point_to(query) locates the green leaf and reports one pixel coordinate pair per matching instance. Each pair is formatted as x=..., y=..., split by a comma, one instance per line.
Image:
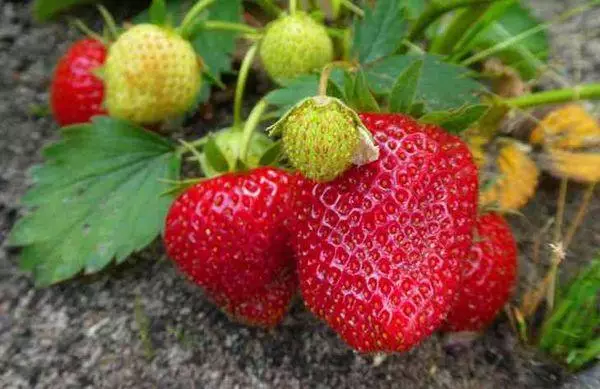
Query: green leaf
x=379, y=33
x=529, y=51
x=457, y=120
x=571, y=330
x=96, y=198
x=214, y=156
x=414, y=8
x=405, y=88
x=216, y=47
x=362, y=99
x=272, y=155
x=212, y=78
x=442, y=86
x=158, y=12
x=44, y=10
x=294, y=91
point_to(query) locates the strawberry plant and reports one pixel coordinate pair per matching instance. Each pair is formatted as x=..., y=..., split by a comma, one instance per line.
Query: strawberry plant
x=372, y=190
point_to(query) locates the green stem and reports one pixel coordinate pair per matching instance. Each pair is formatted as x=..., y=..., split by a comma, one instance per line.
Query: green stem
x=253, y=120
x=218, y=25
x=326, y=74
x=109, y=22
x=457, y=28
x=336, y=32
x=77, y=23
x=241, y=85
x=270, y=8
x=293, y=5
x=191, y=16
x=581, y=92
x=353, y=7
x=435, y=10
x=185, y=146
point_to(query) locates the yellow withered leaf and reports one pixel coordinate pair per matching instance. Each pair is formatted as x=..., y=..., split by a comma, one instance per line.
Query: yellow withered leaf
x=568, y=127
x=577, y=166
x=508, y=177
x=570, y=140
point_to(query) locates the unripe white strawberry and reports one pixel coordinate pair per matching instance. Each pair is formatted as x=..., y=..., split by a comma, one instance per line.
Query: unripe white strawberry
x=295, y=45
x=151, y=74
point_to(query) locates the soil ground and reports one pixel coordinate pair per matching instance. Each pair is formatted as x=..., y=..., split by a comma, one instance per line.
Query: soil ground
x=84, y=333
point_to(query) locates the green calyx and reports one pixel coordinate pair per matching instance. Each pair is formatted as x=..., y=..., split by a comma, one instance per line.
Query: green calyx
x=295, y=45
x=322, y=138
x=229, y=143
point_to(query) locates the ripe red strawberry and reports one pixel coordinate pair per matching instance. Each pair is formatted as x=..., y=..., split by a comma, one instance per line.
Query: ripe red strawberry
x=229, y=235
x=379, y=248
x=488, y=276
x=76, y=93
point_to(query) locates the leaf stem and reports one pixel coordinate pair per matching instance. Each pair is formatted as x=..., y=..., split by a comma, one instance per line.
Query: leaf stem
x=353, y=8
x=191, y=15
x=457, y=28
x=270, y=8
x=435, y=10
x=253, y=120
x=241, y=85
x=580, y=92
x=219, y=25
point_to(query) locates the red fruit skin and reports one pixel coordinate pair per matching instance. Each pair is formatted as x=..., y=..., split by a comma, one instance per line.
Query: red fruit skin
x=489, y=275
x=228, y=234
x=76, y=94
x=267, y=306
x=379, y=248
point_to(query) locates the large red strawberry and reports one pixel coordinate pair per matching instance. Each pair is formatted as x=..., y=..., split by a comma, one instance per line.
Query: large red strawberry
x=229, y=235
x=488, y=275
x=76, y=93
x=379, y=248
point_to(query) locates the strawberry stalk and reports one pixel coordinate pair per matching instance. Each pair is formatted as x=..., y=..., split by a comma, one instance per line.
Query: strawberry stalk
x=326, y=74
x=253, y=120
x=241, y=85
x=293, y=5
x=353, y=8
x=217, y=25
x=580, y=92
x=269, y=7
x=109, y=22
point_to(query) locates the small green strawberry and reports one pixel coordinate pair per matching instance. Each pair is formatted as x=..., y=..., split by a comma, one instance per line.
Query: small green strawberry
x=151, y=74
x=295, y=45
x=322, y=138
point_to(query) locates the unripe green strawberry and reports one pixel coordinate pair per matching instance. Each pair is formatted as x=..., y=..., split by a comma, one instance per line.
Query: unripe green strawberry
x=151, y=74
x=322, y=138
x=295, y=45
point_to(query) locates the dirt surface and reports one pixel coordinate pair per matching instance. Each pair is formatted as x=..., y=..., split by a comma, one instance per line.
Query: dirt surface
x=85, y=333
